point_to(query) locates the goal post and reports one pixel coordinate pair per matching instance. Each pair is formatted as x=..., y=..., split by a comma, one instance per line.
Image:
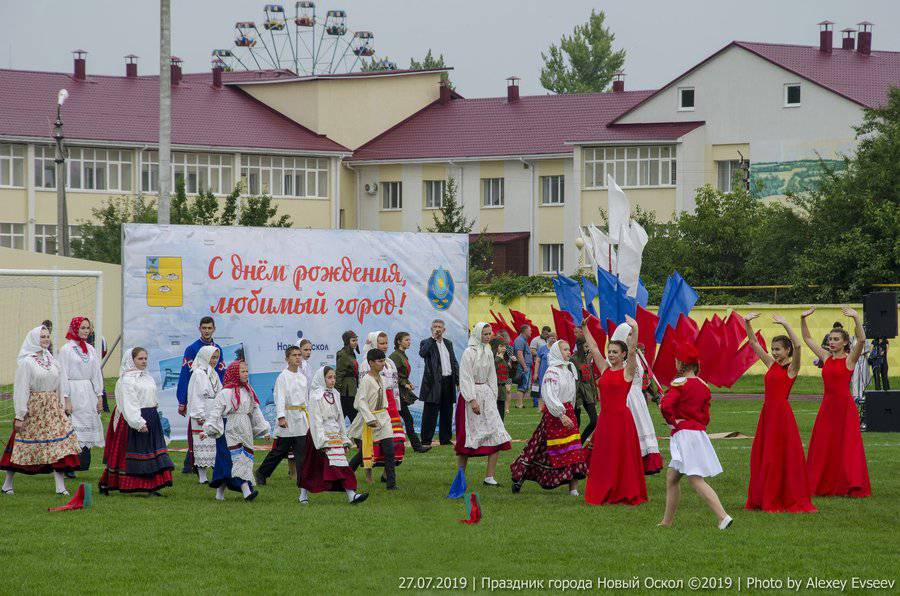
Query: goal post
x=29, y=296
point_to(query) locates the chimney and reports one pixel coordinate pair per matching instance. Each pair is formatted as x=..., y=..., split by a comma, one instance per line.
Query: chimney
x=512, y=89
x=849, y=40
x=445, y=92
x=864, y=38
x=176, y=70
x=131, y=66
x=618, y=82
x=826, y=34
x=218, y=67
x=80, y=65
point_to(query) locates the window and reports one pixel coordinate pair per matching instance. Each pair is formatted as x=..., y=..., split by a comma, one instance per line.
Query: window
x=551, y=258
x=792, y=95
x=12, y=235
x=686, y=98
x=434, y=193
x=12, y=165
x=629, y=166
x=297, y=177
x=200, y=172
x=727, y=171
x=391, y=196
x=492, y=192
x=44, y=166
x=98, y=169
x=45, y=237
x=553, y=190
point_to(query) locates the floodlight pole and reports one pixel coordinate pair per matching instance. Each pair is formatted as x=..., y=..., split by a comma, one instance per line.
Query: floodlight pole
x=62, y=216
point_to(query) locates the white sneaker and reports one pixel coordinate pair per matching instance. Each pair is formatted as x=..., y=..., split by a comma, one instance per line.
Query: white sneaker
x=725, y=523
x=573, y=492
x=303, y=501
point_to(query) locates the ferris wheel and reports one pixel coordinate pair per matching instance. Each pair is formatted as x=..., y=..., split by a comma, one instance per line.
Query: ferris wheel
x=306, y=43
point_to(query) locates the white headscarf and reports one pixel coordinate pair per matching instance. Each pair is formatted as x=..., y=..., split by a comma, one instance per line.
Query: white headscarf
x=128, y=365
x=556, y=358
x=475, y=338
x=32, y=345
x=318, y=387
x=372, y=341
x=622, y=332
x=201, y=364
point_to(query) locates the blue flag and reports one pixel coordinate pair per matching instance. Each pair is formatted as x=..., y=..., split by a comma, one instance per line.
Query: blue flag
x=590, y=294
x=643, y=296
x=678, y=298
x=614, y=300
x=568, y=293
x=458, y=488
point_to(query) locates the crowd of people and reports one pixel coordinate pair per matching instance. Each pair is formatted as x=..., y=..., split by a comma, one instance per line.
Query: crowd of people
x=361, y=405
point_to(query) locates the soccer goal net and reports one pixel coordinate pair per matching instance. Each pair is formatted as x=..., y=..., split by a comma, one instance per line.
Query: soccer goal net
x=30, y=296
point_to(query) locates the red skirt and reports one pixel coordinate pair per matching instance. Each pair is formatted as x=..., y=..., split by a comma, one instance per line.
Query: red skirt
x=553, y=455
x=116, y=456
x=69, y=463
x=318, y=475
x=777, y=465
x=398, y=430
x=460, y=445
x=653, y=463
x=836, y=460
x=616, y=470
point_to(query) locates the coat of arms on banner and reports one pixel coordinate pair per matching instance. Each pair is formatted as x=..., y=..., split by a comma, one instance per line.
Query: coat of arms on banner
x=164, y=281
x=440, y=289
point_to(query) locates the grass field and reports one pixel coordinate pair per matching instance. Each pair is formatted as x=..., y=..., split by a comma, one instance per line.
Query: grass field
x=189, y=543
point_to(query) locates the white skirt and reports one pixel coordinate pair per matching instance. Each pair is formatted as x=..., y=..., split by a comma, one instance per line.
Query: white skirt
x=85, y=418
x=204, y=449
x=485, y=429
x=643, y=423
x=692, y=454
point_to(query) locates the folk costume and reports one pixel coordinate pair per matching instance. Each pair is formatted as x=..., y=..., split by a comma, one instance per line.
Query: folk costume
x=181, y=391
x=81, y=363
x=407, y=397
x=391, y=381
x=346, y=372
x=685, y=406
x=371, y=404
x=203, y=387
x=291, y=403
x=585, y=388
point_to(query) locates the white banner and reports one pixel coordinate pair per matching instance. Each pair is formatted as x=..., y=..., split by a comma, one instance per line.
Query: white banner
x=267, y=287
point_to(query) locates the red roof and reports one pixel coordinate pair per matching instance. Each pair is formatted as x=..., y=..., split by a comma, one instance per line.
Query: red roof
x=126, y=110
x=534, y=125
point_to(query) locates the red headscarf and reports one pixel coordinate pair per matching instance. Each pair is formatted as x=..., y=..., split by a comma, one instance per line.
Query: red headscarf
x=232, y=380
x=72, y=333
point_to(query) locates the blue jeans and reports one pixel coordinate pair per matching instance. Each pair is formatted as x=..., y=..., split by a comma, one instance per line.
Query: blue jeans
x=525, y=384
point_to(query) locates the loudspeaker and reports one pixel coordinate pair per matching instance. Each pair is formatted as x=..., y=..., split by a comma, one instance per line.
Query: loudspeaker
x=881, y=411
x=880, y=314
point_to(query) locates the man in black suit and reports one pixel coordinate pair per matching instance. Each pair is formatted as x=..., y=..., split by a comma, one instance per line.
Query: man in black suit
x=439, y=382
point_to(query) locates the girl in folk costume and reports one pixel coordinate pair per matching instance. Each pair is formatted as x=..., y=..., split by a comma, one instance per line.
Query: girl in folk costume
x=836, y=458
x=42, y=440
x=479, y=428
x=616, y=472
x=136, y=456
x=81, y=363
x=202, y=390
x=325, y=467
x=685, y=407
x=554, y=455
x=585, y=384
x=778, y=479
x=407, y=395
x=637, y=403
x=501, y=364
x=234, y=420
x=378, y=340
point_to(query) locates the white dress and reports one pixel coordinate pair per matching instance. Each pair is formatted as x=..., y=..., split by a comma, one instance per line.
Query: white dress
x=642, y=421
x=85, y=389
x=291, y=403
x=202, y=390
x=239, y=425
x=478, y=383
x=326, y=426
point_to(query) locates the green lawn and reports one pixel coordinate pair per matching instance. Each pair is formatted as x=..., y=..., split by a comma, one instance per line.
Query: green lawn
x=189, y=543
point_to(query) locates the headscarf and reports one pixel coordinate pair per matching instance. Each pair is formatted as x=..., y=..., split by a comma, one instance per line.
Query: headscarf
x=32, y=345
x=556, y=358
x=372, y=341
x=232, y=380
x=346, y=337
x=128, y=365
x=621, y=333
x=72, y=333
x=201, y=363
x=318, y=387
x=475, y=338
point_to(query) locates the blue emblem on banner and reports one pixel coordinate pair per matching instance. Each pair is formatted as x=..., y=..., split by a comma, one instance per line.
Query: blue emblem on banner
x=440, y=289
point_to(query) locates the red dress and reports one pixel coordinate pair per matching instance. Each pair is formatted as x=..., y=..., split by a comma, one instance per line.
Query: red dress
x=616, y=471
x=836, y=460
x=777, y=464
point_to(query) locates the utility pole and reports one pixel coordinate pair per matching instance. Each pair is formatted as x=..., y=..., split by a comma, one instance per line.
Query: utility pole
x=62, y=216
x=165, y=103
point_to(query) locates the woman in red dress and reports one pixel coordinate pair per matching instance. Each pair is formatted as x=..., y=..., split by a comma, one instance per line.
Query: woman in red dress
x=616, y=470
x=778, y=480
x=836, y=459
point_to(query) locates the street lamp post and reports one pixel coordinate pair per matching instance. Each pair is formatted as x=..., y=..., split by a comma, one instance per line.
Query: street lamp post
x=62, y=216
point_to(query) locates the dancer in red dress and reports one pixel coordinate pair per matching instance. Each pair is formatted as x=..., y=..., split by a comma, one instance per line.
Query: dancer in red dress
x=836, y=459
x=686, y=409
x=616, y=470
x=777, y=463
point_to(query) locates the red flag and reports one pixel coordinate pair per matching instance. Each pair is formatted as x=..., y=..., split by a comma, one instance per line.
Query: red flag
x=500, y=324
x=685, y=331
x=734, y=331
x=520, y=319
x=595, y=328
x=711, y=343
x=565, y=326
x=647, y=322
x=734, y=368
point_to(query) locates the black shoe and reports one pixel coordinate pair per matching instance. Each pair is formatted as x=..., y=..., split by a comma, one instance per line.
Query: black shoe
x=253, y=494
x=422, y=449
x=516, y=487
x=359, y=498
x=393, y=487
x=70, y=475
x=260, y=480
x=447, y=443
x=155, y=493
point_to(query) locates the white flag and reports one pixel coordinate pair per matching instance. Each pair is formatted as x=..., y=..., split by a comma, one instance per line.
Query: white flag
x=588, y=246
x=604, y=253
x=619, y=209
x=631, y=249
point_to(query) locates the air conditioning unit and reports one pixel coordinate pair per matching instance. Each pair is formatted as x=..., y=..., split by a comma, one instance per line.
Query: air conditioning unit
x=371, y=188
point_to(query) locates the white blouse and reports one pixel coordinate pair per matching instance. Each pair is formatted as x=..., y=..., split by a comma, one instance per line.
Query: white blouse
x=31, y=376
x=558, y=389
x=202, y=390
x=477, y=368
x=291, y=389
x=135, y=390
x=389, y=376
x=81, y=367
x=327, y=418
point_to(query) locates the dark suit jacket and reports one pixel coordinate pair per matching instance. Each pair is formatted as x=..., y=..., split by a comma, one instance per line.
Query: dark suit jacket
x=430, y=391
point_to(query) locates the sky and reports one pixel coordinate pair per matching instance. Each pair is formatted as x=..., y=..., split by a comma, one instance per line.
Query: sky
x=484, y=41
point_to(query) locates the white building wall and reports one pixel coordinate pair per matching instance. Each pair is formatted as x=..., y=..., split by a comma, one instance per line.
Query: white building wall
x=692, y=164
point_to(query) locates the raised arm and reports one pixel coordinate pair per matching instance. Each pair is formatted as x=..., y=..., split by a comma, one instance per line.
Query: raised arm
x=857, y=348
x=631, y=342
x=818, y=350
x=594, y=350
x=754, y=343
x=796, y=359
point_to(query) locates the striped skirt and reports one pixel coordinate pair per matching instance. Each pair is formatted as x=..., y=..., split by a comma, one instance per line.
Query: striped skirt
x=553, y=455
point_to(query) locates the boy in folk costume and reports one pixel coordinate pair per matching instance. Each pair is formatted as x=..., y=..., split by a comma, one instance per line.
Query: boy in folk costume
x=346, y=371
x=373, y=423
x=202, y=390
x=292, y=417
x=390, y=381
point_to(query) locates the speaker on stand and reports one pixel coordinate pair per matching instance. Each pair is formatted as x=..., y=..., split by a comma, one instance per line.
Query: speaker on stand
x=880, y=314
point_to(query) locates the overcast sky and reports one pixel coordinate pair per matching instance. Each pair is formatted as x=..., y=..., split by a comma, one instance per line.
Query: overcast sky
x=485, y=40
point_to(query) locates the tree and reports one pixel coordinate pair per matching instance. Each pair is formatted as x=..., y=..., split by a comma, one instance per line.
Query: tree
x=428, y=62
x=450, y=218
x=373, y=65
x=101, y=239
x=584, y=61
